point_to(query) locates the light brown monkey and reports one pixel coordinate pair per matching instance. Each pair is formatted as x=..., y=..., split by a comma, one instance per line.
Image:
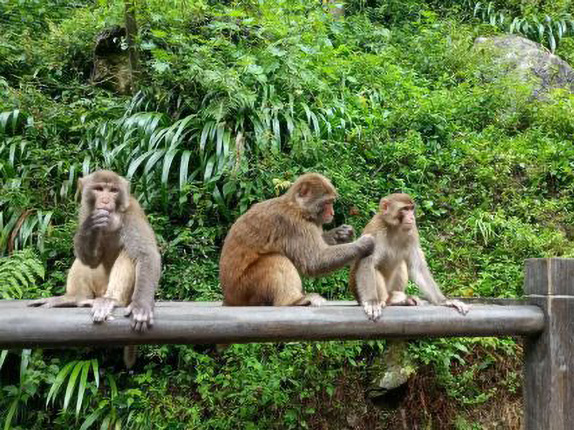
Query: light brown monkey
x=117, y=258
x=380, y=279
x=275, y=241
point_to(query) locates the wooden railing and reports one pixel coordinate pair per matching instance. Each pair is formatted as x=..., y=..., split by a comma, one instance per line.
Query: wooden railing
x=545, y=319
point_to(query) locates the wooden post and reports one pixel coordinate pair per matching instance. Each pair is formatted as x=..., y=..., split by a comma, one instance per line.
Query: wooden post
x=549, y=357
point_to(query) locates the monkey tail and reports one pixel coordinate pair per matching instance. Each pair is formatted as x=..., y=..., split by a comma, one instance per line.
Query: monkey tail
x=130, y=355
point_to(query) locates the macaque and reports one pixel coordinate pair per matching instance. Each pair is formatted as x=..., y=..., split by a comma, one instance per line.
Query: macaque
x=381, y=278
x=275, y=241
x=117, y=259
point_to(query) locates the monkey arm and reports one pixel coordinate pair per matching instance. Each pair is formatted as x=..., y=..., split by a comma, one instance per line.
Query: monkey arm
x=366, y=280
x=324, y=259
x=420, y=274
x=87, y=247
x=148, y=271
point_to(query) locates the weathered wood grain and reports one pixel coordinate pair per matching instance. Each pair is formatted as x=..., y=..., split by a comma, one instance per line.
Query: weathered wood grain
x=549, y=357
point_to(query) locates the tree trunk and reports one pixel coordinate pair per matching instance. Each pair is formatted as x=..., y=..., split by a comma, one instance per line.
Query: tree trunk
x=131, y=37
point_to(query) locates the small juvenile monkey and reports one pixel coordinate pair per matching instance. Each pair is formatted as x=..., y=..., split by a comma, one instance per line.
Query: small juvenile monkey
x=117, y=259
x=380, y=279
x=275, y=241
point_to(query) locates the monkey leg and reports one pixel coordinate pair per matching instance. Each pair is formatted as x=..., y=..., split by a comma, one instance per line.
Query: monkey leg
x=82, y=284
x=122, y=280
x=397, y=285
x=120, y=287
x=275, y=281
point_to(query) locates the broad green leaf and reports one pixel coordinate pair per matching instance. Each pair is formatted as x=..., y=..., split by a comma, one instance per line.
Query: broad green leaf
x=72, y=382
x=82, y=387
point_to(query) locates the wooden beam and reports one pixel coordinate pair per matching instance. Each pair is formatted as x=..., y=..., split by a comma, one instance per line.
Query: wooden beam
x=549, y=357
x=195, y=323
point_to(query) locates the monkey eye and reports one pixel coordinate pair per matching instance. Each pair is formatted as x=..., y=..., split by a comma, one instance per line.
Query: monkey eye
x=98, y=188
x=114, y=190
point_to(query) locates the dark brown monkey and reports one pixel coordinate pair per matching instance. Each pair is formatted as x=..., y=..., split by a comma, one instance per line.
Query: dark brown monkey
x=117, y=258
x=380, y=279
x=275, y=241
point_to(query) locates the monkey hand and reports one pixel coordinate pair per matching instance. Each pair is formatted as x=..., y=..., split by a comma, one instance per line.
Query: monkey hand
x=366, y=244
x=373, y=309
x=461, y=307
x=343, y=234
x=99, y=220
x=142, y=315
x=102, y=308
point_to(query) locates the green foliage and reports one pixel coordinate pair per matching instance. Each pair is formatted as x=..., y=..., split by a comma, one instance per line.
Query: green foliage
x=546, y=30
x=235, y=100
x=77, y=372
x=18, y=274
x=21, y=387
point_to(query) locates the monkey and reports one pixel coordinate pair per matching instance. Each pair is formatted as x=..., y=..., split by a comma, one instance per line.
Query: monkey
x=276, y=241
x=380, y=279
x=117, y=258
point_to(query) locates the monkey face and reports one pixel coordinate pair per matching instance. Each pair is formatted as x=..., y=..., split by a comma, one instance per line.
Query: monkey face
x=315, y=195
x=406, y=217
x=398, y=210
x=105, y=196
x=105, y=190
x=327, y=212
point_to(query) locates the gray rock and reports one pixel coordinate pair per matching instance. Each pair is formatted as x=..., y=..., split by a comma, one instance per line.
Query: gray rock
x=391, y=370
x=530, y=62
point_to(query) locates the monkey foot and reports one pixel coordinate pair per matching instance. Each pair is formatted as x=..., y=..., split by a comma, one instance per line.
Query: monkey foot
x=373, y=309
x=312, y=299
x=102, y=308
x=461, y=307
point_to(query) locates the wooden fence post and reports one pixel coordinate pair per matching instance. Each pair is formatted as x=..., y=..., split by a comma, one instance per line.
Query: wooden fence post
x=549, y=357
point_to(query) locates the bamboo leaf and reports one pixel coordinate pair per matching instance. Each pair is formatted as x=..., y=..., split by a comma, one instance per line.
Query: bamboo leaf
x=58, y=381
x=152, y=161
x=82, y=387
x=72, y=382
x=96, y=370
x=167, y=161
x=3, y=356
x=11, y=412
x=184, y=168
x=91, y=419
x=207, y=173
x=136, y=163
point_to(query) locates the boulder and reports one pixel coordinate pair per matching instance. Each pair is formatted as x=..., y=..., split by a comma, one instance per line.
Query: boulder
x=390, y=371
x=529, y=61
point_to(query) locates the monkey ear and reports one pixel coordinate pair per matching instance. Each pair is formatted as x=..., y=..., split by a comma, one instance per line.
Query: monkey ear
x=303, y=190
x=384, y=205
x=126, y=185
x=125, y=199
